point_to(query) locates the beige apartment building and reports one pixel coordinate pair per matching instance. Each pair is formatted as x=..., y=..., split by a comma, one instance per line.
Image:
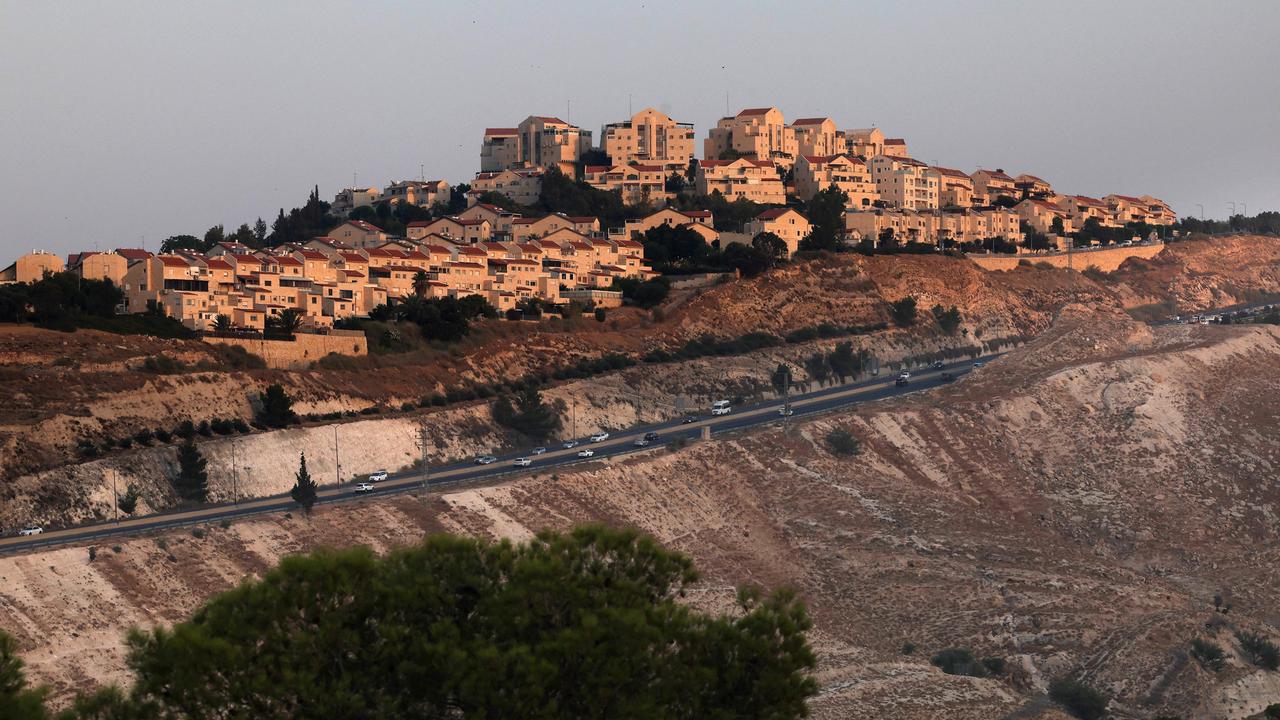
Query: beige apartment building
x=786, y=223
x=700, y=221
x=1041, y=214
x=903, y=182
x=933, y=226
x=349, y=199
x=1125, y=209
x=521, y=185
x=636, y=183
x=993, y=184
x=755, y=180
x=1080, y=208
x=757, y=133
x=818, y=136
x=814, y=173
x=865, y=142
x=895, y=147
x=424, y=194
x=539, y=141
x=649, y=138
x=955, y=188
x=1032, y=186
x=31, y=267
x=358, y=233
x=98, y=266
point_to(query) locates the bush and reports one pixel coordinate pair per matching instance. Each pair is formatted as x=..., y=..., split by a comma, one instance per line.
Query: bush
x=408, y=407
x=204, y=428
x=842, y=442
x=240, y=426
x=126, y=442
x=117, y=549
x=163, y=365
x=197, y=533
x=1080, y=699
x=959, y=661
x=948, y=319
x=908, y=648
x=225, y=524
x=1259, y=650
x=994, y=665
x=903, y=311
x=186, y=430
x=600, y=315
x=163, y=435
x=143, y=437
x=93, y=553
x=1208, y=654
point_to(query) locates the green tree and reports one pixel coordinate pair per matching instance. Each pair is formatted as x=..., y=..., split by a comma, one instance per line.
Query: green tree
x=421, y=284
x=826, y=216
x=948, y=320
x=213, y=236
x=588, y=624
x=287, y=323
x=643, y=293
x=529, y=415
x=192, y=480
x=128, y=502
x=222, y=323
x=903, y=311
x=304, y=488
x=1080, y=699
x=843, y=362
x=842, y=442
x=781, y=379
x=772, y=246
x=817, y=368
x=17, y=700
x=277, y=407
x=174, y=243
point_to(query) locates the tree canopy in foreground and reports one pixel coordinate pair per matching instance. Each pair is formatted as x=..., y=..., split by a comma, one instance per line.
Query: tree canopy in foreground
x=584, y=625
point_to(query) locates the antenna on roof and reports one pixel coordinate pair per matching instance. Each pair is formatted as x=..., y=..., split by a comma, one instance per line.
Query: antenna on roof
x=355, y=180
x=726, y=103
x=568, y=114
x=629, y=103
x=422, y=172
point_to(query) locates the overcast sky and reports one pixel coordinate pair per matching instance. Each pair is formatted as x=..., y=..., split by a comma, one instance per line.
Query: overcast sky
x=128, y=120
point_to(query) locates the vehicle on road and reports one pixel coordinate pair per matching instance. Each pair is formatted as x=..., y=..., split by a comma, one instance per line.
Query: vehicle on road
x=947, y=377
x=569, y=444
x=486, y=460
x=586, y=452
x=651, y=436
x=901, y=381
x=521, y=462
x=641, y=442
x=538, y=451
x=937, y=365
x=377, y=476
x=786, y=411
x=977, y=364
x=688, y=419
x=600, y=437
x=31, y=530
x=904, y=375
x=364, y=487
x=721, y=407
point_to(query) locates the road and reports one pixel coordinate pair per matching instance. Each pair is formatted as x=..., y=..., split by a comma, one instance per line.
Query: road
x=619, y=443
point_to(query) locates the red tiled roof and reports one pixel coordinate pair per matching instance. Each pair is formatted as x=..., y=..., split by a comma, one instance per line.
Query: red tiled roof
x=772, y=213
x=367, y=227
x=581, y=219
x=133, y=253
x=353, y=273
x=286, y=260
x=755, y=111
x=420, y=223
x=313, y=254
x=952, y=172
x=596, y=168
x=894, y=141
x=471, y=250
x=246, y=259
x=500, y=131
x=463, y=263
x=695, y=213
x=219, y=264
x=810, y=121
x=353, y=257
x=549, y=119
x=174, y=261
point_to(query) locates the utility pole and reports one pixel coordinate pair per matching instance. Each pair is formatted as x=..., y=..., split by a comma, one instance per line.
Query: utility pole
x=422, y=445
x=115, y=496
x=234, y=471
x=337, y=468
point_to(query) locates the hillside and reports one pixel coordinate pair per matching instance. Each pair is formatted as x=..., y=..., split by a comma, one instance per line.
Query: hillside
x=1073, y=507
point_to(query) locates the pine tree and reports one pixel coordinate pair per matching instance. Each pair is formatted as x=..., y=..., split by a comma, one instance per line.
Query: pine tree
x=304, y=489
x=192, y=482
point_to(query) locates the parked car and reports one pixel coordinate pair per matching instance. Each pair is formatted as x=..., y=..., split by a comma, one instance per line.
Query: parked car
x=651, y=436
x=377, y=476
x=569, y=444
x=641, y=442
x=486, y=460
x=364, y=487
x=586, y=452
x=521, y=462
x=600, y=437
x=786, y=411
x=538, y=451
x=31, y=530
x=901, y=381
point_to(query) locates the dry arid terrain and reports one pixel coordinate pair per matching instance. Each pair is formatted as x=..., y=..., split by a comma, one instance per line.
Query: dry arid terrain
x=1071, y=508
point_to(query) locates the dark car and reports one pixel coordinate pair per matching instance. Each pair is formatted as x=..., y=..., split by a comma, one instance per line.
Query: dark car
x=937, y=365
x=947, y=377
x=901, y=381
x=651, y=436
x=688, y=419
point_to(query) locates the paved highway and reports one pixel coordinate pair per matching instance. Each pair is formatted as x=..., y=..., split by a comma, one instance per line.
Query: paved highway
x=619, y=443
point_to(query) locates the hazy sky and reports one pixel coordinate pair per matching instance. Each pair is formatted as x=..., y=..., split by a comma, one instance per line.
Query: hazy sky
x=123, y=120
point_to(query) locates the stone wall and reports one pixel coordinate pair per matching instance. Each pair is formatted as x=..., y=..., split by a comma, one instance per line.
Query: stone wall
x=304, y=349
x=1107, y=259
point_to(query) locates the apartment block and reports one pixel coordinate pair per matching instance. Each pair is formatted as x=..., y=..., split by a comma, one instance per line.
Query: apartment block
x=700, y=221
x=31, y=267
x=349, y=199
x=98, y=266
x=814, y=173
x=1032, y=186
x=755, y=180
x=424, y=194
x=636, y=183
x=1125, y=209
x=649, y=138
x=786, y=223
x=539, y=141
x=933, y=226
x=895, y=147
x=1041, y=215
x=993, y=184
x=818, y=136
x=955, y=188
x=521, y=185
x=903, y=182
x=865, y=142
x=756, y=133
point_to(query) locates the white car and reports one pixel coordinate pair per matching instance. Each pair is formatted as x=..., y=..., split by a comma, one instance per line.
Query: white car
x=600, y=437
x=569, y=444
x=786, y=411
x=378, y=476
x=641, y=442
x=904, y=375
x=486, y=460
x=538, y=450
x=31, y=530
x=364, y=487
x=586, y=452
x=521, y=462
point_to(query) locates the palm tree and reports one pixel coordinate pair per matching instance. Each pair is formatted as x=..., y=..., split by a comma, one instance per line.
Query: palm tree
x=222, y=324
x=420, y=284
x=289, y=321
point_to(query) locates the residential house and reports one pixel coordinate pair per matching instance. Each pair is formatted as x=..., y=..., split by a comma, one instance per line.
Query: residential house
x=955, y=188
x=359, y=234
x=349, y=199
x=865, y=142
x=895, y=147
x=424, y=194
x=755, y=180
x=31, y=267
x=790, y=226
x=993, y=184
x=1041, y=216
x=814, y=173
x=818, y=136
x=500, y=150
x=637, y=184
x=520, y=185
x=649, y=138
x=1032, y=186
x=757, y=133
x=98, y=266
x=903, y=182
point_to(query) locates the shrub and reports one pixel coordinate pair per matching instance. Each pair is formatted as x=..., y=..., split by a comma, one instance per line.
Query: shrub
x=204, y=428
x=277, y=407
x=240, y=426
x=1208, y=654
x=197, y=533
x=1259, y=650
x=117, y=549
x=959, y=661
x=143, y=436
x=1080, y=699
x=108, y=443
x=994, y=665
x=93, y=553
x=903, y=311
x=908, y=648
x=225, y=524
x=186, y=430
x=163, y=365
x=842, y=442
x=409, y=406
x=163, y=435
x=600, y=315
x=126, y=442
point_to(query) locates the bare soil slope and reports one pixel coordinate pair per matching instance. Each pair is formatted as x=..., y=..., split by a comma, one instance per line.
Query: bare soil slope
x=1070, y=508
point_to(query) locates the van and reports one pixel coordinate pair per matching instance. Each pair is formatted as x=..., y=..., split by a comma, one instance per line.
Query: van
x=720, y=407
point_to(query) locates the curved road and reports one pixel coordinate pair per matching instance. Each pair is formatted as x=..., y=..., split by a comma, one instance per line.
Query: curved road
x=619, y=443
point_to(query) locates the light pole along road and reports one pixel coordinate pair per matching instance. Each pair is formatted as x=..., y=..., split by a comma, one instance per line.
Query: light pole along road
x=619, y=443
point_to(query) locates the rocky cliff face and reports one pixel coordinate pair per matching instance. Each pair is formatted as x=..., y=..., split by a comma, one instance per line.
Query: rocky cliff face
x=1073, y=507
